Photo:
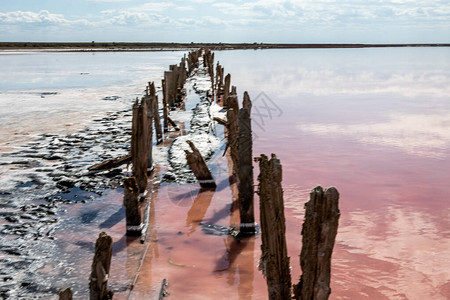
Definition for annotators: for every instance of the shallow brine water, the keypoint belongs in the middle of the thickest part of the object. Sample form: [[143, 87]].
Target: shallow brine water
[[372, 122]]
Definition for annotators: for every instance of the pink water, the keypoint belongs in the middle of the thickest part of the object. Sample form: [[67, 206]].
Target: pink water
[[372, 122]]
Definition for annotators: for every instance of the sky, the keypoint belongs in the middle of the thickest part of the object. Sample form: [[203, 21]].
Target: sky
[[270, 21]]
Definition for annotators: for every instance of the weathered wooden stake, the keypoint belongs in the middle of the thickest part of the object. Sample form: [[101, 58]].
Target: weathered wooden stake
[[149, 106], [165, 106], [274, 262], [98, 281], [246, 103], [168, 94], [245, 175], [198, 166], [139, 144], [226, 89], [65, 294], [233, 130], [319, 233], [233, 90], [155, 109], [132, 208]]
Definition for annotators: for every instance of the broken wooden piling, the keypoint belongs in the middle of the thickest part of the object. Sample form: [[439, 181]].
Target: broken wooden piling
[[149, 106], [155, 111], [226, 89], [165, 106], [98, 280], [274, 262], [139, 144], [65, 294], [246, 103], [131, 203], [198, 166], [245, 174], [319, 233], [233, 131]]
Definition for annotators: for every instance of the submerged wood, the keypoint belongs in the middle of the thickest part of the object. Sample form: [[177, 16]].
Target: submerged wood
[[132, 207], [319, 233], [274, 262], [163, 290], [65, 294], [98, 281], [198, 166], [245, 174], [111, 163], [174, 125], [139, 144]]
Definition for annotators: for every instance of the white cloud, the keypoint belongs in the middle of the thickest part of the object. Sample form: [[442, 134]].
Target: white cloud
[[152, 7], [288, 21], [27, 17], [184, 8]]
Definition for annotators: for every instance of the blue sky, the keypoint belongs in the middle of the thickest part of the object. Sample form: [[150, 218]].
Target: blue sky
[[290, 21]]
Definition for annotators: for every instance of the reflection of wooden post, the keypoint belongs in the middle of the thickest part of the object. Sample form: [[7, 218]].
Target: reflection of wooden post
[[198, 166], [319, 233], [139, 144], [98, 281], [65, 294], [132, 211], [274, 261], [245, 174]]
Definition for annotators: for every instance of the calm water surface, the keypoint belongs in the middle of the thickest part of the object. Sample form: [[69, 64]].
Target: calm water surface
[[372, 122], [375, 123]]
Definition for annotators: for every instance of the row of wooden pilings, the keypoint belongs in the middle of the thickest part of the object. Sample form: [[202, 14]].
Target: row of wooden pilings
[[321, 212]]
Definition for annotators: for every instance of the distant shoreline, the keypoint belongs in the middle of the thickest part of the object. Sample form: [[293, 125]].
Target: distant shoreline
[[112, 46]]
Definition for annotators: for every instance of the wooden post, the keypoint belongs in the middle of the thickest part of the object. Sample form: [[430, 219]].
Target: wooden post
[[139, 145], [149, 106], [319, 233], [165, 106], [233, 90], [156, 118], [274, 262], [65, 294], [132, 210], [98, 281], [246, 103], [217, 81], [233, 130], [226, 89], [245, 175], [168, 88], [198, 166]]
